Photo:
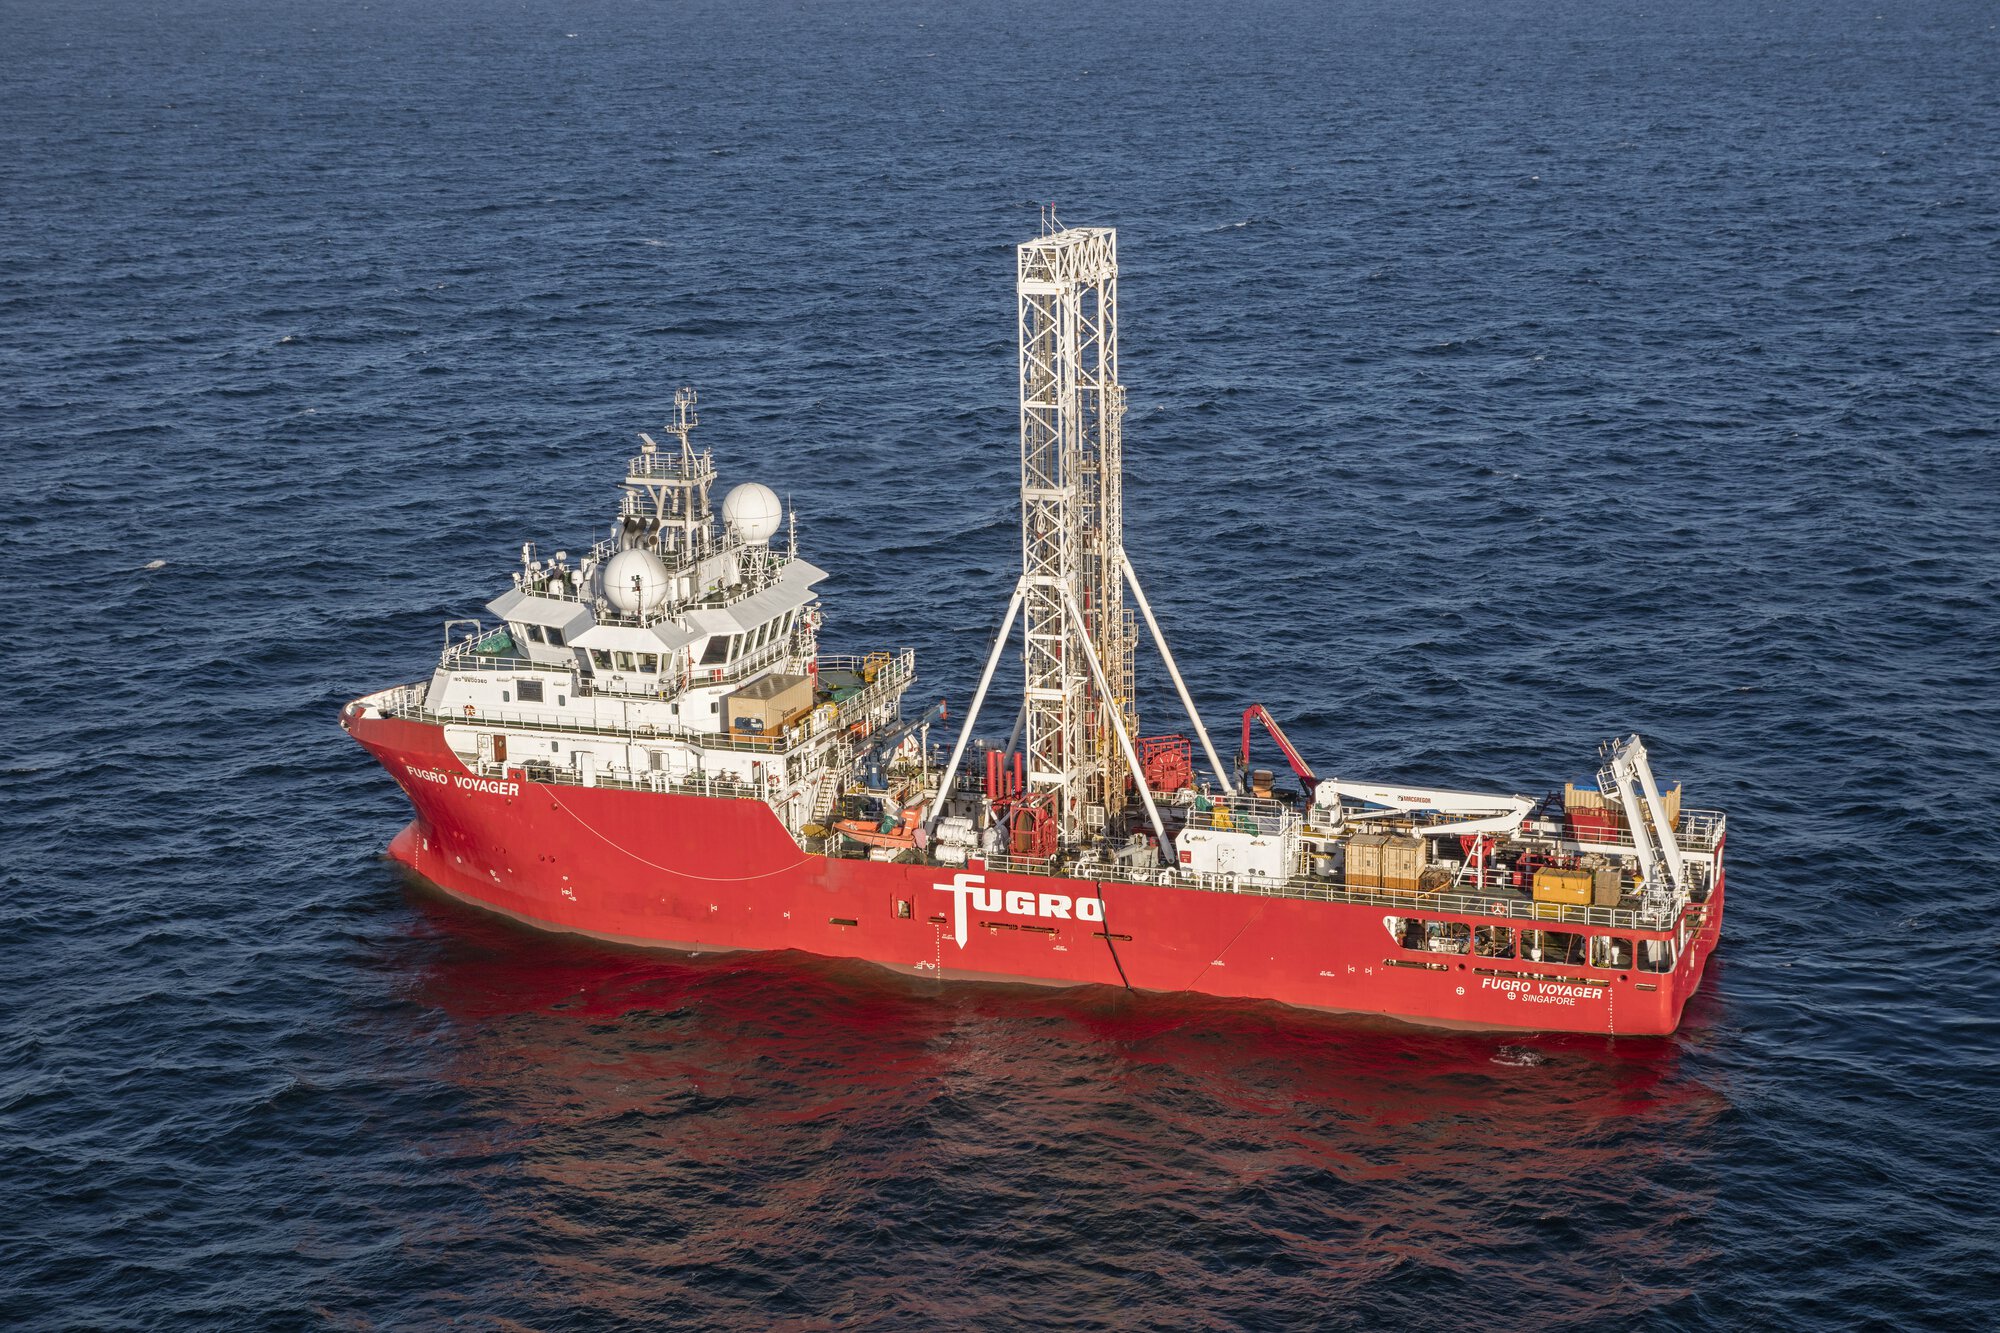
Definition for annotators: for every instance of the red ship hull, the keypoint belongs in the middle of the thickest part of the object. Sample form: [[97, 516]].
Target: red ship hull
[[702, 873]]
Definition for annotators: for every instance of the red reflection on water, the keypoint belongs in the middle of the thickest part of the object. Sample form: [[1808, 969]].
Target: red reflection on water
[[691, 1131]]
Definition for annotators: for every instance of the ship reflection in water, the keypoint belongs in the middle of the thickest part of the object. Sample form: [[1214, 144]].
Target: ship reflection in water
[[734, 1139]]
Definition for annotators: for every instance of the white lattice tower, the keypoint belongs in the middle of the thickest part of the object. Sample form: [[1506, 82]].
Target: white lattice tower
[[1072, 524]]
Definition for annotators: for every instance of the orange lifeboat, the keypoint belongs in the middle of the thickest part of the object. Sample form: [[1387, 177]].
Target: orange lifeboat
[[870, 832]]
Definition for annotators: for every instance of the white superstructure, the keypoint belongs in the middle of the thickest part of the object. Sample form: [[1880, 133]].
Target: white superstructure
[[674, 650]]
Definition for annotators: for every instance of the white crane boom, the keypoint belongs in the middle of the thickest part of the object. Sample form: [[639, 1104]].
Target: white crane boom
[[1491, 813]]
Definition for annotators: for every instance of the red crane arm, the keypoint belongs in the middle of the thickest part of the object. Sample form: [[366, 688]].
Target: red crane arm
[[1299, 766]]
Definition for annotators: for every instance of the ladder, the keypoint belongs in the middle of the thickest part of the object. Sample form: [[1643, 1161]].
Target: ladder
[[824, 797]]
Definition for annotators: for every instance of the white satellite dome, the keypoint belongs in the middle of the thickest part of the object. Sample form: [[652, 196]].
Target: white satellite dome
[[635, 581], [752, 513]]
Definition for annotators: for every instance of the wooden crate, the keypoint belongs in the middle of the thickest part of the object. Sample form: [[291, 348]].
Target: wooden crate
[[1364, 860], [1607, 886]]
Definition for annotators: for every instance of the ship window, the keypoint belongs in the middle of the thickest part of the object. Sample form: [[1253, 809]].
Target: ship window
[[624, 660], [534, 632], [555, 637], [716, 652], [1552, 946], [735, 646], [1610, 951], [1656, 955], [649, 662], [1493, 941], [600, 659], [530, 690]]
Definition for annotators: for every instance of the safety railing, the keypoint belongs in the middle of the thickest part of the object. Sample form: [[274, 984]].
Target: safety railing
[[1699, 832], [1461, 904], [481, 650], [769, 655], [1241, 814], [521, 720], [407, 701], [889, 681], [893, 674]]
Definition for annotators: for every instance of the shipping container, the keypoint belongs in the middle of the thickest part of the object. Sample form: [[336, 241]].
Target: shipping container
[[1364, 860], [1571, 887], [1402, 863]]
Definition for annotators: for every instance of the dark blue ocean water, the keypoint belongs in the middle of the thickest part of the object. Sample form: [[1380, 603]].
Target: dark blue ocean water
[[1501, 375]]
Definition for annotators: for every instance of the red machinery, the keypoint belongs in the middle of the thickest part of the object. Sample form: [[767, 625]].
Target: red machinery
[[1168, 762], [1299, 765]]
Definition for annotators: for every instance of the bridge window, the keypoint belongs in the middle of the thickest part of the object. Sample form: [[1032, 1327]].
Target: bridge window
[[1610, 951], [1552, 946], [534, 632], [555, 637], [600, 659], [623, 659], [1493, 941], [1656, 955], [716, 652], [530, 691], [649, 662]]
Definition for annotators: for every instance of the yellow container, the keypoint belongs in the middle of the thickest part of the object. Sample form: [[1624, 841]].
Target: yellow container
[[1571, 888]]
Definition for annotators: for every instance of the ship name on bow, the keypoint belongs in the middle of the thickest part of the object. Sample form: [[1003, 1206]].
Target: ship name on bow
[[465, 781]]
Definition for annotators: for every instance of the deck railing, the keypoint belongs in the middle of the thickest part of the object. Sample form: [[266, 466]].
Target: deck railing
[[407, 701], [893, 676]]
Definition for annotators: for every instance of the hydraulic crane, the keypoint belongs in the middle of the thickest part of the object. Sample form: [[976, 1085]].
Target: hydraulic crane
[[1256, 712]]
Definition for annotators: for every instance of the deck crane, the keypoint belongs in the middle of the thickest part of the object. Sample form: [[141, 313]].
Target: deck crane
[[897, 827], [873, 755], [1628, 777], [1256, 712], [1487, 813]]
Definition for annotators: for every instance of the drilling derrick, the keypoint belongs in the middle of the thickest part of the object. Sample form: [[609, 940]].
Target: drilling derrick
[[1072, 529]]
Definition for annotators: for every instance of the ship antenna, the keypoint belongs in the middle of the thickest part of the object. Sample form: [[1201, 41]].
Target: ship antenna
[[685, 420]]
